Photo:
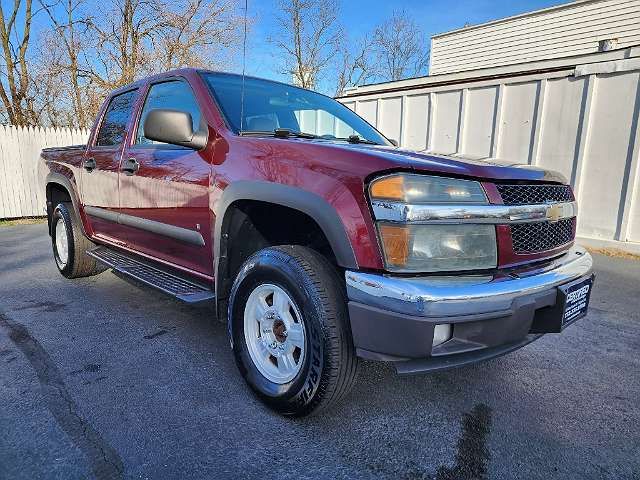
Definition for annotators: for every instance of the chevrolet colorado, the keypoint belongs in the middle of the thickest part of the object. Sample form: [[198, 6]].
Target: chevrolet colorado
[[317, 239]]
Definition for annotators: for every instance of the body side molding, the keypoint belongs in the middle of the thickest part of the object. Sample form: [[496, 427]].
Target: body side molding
[[171, 231]]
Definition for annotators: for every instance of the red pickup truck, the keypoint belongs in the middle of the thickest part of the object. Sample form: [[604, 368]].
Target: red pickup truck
[[319, 240]]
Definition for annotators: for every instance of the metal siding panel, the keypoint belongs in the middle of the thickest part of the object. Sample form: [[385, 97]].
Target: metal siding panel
[[446, 121], [478, 123], [307, 120], [326, 123], [518, 121], [634, 214], [607, 154], [368, 110], [560, 123], [343, 130], [390, 117], [417, 118]]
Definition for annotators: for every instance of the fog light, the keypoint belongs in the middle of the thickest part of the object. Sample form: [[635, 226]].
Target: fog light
[[441, 333]]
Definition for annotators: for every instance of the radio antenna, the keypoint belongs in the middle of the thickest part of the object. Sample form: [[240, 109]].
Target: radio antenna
[[244, 66]]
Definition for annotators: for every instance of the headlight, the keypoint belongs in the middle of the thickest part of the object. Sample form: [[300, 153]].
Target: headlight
[[433, 247], [438, 248], [416, 189]]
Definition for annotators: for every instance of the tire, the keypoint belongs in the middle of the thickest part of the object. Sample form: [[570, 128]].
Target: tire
[[326, 368], [72, 260]]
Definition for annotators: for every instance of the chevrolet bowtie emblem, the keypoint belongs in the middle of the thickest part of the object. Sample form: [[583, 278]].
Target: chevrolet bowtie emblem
[[554, 213]]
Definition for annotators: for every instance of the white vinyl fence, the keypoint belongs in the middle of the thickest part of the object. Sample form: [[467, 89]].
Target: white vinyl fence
[[577, 115], [21, 191]]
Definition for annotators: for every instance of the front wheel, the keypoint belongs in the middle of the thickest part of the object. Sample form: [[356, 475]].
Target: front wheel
[[290, 330]]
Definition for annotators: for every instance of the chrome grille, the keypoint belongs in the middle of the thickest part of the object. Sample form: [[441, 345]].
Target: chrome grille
[[530, 194], [541, 236]]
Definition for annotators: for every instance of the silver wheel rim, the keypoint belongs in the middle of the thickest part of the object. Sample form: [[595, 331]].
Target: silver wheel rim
[[62, 243], [274, 333]]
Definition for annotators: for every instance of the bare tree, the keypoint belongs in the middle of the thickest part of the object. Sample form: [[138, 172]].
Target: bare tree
[[15, 85], [65, 47], [148, 36], [119, 55], [401, 49], [86, 53], [356, 66], [199, 33], [309, 38]]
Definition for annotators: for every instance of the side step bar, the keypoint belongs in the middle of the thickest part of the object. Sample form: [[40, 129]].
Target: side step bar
[[164, 281]]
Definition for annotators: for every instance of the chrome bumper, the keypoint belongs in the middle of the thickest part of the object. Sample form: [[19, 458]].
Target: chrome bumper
[[448, 296]]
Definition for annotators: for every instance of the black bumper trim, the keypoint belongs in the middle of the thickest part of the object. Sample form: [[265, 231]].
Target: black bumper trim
[[432, 364]]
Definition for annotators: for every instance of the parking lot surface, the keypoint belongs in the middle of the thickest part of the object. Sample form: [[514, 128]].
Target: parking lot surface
[[103, 379]]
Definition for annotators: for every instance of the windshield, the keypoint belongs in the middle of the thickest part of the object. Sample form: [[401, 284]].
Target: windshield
[[270, 105]]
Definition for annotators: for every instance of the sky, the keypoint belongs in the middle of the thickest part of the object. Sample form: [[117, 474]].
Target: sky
[[361, 16]]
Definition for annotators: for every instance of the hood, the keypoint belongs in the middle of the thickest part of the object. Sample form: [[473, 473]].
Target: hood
[[363, 161], [392, 158]]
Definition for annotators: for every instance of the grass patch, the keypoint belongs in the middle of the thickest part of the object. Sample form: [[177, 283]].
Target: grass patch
[[22, 221], [614, 252]]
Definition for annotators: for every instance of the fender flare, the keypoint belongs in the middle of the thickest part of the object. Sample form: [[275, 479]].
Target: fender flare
[[59, 179], [316, 207]]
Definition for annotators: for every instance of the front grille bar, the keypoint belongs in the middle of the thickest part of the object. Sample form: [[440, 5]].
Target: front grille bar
[[456, 214]]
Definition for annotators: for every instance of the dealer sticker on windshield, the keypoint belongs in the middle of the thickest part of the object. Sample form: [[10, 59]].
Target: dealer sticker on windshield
[[576, 300]]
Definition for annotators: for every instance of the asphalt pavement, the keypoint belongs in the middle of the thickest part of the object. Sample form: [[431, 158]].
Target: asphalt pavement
[[103, 379]]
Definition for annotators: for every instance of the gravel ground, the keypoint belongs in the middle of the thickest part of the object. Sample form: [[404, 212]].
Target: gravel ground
[[102, 379]]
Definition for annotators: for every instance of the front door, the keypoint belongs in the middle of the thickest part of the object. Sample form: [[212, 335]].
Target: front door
[[164, 189], [101, 169]]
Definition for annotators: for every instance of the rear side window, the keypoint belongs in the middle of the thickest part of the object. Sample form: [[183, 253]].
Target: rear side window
[[173, 95], [114, 125]]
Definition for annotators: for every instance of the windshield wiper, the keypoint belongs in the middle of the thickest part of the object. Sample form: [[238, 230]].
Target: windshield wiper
[[286, 133], [279, 133], [358, 139]]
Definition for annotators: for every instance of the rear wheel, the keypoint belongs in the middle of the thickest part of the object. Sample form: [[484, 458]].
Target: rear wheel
[[70, 245], [290, 330]]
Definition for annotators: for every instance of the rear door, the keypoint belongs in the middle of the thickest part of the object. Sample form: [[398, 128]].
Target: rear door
[[99, 188], [164, 188]]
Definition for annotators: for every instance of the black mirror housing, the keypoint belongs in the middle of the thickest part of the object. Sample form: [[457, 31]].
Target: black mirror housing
[[174, 127]]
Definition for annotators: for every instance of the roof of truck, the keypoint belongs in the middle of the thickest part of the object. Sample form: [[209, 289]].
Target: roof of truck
[[187, 70]]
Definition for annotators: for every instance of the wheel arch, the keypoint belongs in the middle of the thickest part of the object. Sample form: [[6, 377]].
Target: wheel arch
[[56, 183], [307, 203]]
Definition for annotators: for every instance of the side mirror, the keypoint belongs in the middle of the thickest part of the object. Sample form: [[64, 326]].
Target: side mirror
[[174, 127], [393, 142]]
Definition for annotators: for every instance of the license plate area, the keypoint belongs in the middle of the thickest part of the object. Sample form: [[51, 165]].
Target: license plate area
[[575, 299], [572, 303]]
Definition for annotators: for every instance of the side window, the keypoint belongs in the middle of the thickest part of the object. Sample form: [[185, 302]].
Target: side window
[[114, 124], [175, 95]]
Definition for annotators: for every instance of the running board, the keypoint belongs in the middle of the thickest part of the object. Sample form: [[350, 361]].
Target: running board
[[155, 277]]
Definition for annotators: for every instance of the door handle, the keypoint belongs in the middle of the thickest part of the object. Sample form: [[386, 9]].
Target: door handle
[[89, 164], [131, 166]]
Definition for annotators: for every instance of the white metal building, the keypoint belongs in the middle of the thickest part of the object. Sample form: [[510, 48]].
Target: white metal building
[[575, 28], [576, 114]]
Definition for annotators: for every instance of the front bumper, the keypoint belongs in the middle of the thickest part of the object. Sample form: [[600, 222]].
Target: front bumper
[[393, 318]]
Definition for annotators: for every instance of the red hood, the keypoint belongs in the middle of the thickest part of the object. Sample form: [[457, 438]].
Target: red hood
[[458, 166]]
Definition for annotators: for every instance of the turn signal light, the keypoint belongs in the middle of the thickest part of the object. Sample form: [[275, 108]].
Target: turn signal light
[[395, 242], [389, 188]]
